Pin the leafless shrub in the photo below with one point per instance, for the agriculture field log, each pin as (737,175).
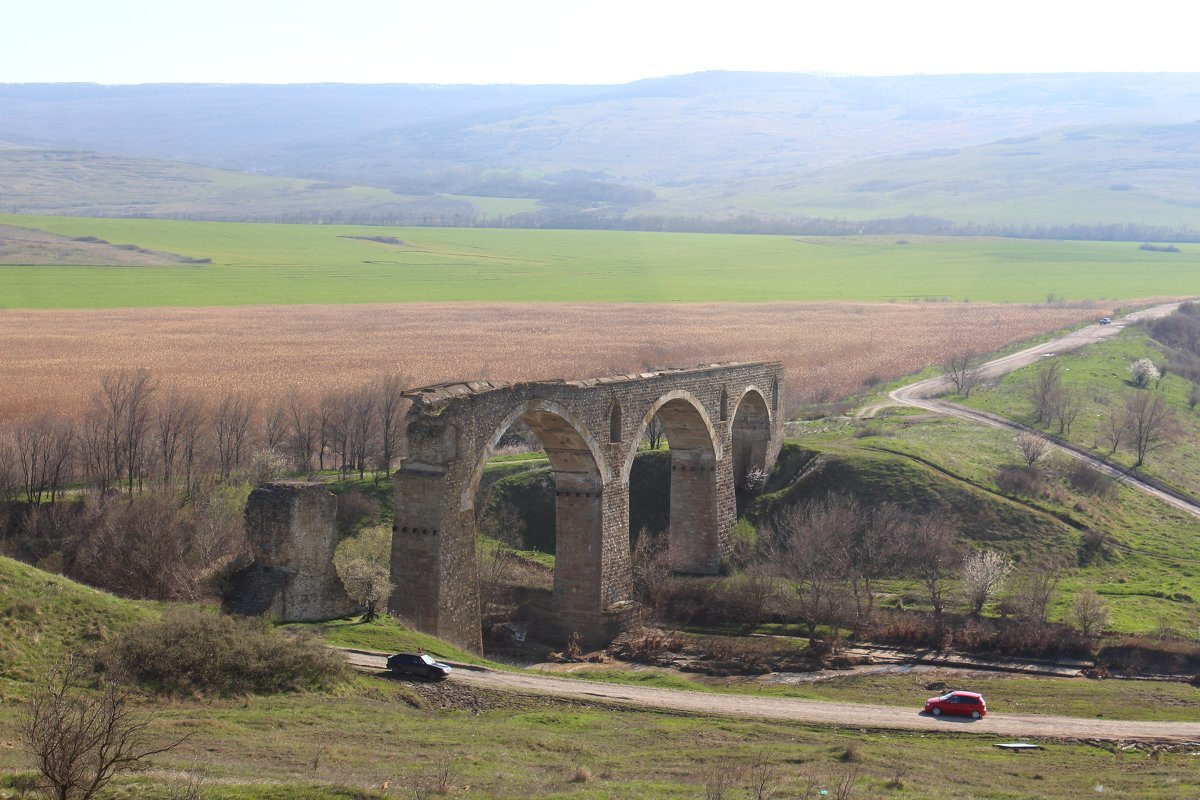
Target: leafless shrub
(764,778)
(1017,480)
(719,777)
(1090,613)
(80,741)
(440,779)
(984,573)
(1089,480)
(504,527)
(1033,592)
(1033,448)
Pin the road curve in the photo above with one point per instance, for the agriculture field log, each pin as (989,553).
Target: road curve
(808,711)
(922,394)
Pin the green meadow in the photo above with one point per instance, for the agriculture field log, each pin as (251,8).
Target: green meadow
(290,264)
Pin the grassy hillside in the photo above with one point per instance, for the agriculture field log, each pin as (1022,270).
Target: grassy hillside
(1142,556)
(1100,376)
(289,264)
(44,616)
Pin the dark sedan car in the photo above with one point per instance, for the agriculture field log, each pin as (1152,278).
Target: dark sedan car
(969,704)
(418,664)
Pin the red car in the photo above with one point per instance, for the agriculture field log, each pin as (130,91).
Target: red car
(969,704)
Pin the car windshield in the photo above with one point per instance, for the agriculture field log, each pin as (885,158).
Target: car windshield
(427,659)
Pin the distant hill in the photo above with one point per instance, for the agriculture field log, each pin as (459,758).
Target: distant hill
(105,185)
(1139,174)
(712,144)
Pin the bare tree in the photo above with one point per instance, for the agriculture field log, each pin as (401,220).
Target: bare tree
(231,426)
(275,427)
(963,372)
(1112,429)
(368,584)
(807,547)
(934,556)
(1149,423)
(177,423)
(984,573)
(43,450)
(302,429)
(124,403)
(361,428)
(1033,447)
(503,526)
(8,472)
(1065,405)
(80,741)
(874,551)
(1090,613)
(95,449)
(1047,382)
(654,433)
(1033,591)
(392,405)
(327,414)
(1193,395)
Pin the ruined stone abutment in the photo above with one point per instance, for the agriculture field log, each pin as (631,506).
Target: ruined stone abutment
(722,422)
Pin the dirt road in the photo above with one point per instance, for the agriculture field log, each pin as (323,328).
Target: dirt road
(809,711)
(922,394)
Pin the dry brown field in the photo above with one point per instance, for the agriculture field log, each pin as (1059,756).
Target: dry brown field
(53,360)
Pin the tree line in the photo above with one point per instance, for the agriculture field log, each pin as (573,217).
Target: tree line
(136,433)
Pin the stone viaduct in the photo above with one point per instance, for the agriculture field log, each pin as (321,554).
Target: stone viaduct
(722,422)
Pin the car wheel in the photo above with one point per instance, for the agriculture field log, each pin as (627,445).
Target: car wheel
(937,712)
(974,715)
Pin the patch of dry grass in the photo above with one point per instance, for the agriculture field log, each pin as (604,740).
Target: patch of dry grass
(53,359)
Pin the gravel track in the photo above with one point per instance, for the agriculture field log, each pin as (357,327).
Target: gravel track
(807,711)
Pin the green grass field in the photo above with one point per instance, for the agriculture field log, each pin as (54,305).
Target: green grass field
(290,264)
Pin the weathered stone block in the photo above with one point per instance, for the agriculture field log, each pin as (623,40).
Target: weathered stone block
(292,530)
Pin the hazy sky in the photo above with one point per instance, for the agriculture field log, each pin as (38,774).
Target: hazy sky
(560,41)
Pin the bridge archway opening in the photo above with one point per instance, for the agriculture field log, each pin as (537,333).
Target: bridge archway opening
(693,537)
(750,435)
(573,532)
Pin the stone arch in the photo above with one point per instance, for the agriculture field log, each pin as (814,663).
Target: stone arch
(695,536)
(564,443)
(750,437)
(682,406)
(585,583)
